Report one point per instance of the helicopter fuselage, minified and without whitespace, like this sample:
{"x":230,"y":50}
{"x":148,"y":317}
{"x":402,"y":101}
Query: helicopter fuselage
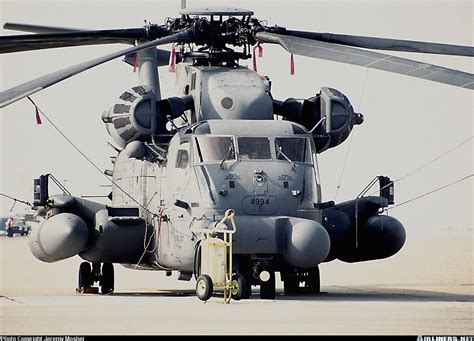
{"x":186,"y":160}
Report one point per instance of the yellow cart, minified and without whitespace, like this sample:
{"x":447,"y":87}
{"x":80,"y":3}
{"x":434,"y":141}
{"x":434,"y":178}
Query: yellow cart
{"x":216,"y":261}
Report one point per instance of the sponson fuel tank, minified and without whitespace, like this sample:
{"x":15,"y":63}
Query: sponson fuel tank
{"x":59,"y":237}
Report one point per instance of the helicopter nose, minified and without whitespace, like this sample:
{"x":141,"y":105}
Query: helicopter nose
{"x":307,"y":244}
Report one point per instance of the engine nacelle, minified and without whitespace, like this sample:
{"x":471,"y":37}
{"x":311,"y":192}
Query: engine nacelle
{"x":329,"y":116}
{"x":133,"y":117}
{"x":138,"y":115}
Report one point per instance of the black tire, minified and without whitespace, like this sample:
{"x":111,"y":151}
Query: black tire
{"x":314,"y":282}
{"x":107,"y":279}
{"x":248,"y":287}
{"x":204,"y":287}
{"x":291,"y":286}
{"x":267,"y":289}
{"x":85,"y":276}
{"x":240,"y":287}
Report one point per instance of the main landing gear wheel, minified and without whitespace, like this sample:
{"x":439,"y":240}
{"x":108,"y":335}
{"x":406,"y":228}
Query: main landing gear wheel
{"x":313,"y":281}
{"x":247,"y":287}
{"x":107,"y":279}
{"x":85,"y":277}
{"x":204,"y":287}
{"x":267,"y":289}
{"x":240,"y":289}
{"x":291,"y":286}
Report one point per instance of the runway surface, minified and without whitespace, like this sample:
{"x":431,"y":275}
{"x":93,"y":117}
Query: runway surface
{"x":426,"y":289}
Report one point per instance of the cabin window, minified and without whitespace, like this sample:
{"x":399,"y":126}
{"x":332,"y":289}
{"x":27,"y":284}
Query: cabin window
{"x":183,"y":159}
{"x":293,"y":148}
{"x":215,"y":148}
{"x":254,"y":148}
{"x":193,"y":81}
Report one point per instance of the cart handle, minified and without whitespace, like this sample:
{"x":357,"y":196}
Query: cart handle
{"x":229,"y":215}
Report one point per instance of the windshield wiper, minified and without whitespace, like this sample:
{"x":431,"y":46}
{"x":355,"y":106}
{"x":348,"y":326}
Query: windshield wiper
{"x":229,"y":152}
{"x":279,"y":151}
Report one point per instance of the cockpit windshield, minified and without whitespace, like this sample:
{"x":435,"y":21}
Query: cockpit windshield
{"x":219,"y":149}
{"x":215,"y":148}
{"x":294,"y":148}
{"x":254,"y":148}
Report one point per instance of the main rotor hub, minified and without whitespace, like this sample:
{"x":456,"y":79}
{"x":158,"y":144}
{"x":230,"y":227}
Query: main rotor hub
{"x":216,"y":11}
{"x":215,"y":31}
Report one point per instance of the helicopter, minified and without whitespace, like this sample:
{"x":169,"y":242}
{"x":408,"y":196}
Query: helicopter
{"x":228,"y":133}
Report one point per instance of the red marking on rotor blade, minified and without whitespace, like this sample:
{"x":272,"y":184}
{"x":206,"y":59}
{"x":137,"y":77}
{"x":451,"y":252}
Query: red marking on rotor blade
{"x":254,"y":60}
{"x":135,"y":61}
{"x":172,"y":67}
{"x":292,"y":65}
{"x":38,"y":117}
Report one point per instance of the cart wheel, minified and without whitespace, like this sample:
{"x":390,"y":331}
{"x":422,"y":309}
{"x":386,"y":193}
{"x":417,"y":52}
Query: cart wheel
{"x":240,"y":286}
{"x":204,"y":287}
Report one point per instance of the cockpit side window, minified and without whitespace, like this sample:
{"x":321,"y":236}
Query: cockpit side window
{"x":253,"y":148}
{"x":215,"y":148}
{"x":294,"y":148}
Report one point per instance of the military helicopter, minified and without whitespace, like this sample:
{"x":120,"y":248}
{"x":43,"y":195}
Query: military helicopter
{"x":184,"y":160}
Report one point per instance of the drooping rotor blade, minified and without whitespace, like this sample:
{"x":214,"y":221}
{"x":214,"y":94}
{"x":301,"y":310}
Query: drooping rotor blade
{"x":38,"y":28}
{"x":27,"y":42}
{"x":18,"y":92}
{"x":385,"y":44}
{"x":369,"y":59}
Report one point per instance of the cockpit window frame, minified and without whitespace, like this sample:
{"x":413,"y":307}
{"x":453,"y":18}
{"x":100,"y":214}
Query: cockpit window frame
{"x":196,"y":155}
{"x":195,"y":148}
{"x":269,"y":138}
{"x":307,"y":152}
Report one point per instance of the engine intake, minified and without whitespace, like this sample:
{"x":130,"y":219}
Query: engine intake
{"x":138,"y":115}
{"x":133,"y":117}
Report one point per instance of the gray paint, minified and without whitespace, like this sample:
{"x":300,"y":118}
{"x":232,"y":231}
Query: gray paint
{"x":60,"y":237}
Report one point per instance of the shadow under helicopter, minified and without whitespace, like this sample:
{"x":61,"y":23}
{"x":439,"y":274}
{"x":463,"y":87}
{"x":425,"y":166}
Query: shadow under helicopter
{"x":336,"y":293}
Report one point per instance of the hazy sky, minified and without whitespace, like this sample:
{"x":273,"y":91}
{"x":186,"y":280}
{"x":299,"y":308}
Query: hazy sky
{"x":408,"y":121}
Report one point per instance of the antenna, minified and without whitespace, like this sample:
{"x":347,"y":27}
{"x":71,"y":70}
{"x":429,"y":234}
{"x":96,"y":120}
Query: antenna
{"x":183,"y":4}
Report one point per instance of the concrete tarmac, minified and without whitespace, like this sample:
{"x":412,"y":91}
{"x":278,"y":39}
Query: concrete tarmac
{"x":425,"y":289}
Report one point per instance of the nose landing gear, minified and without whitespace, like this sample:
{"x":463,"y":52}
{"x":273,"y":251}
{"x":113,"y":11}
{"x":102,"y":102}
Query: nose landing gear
{"x":267,"y":288}
{"x":310,"y":278}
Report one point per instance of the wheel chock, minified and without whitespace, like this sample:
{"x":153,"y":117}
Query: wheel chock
{"x":91,"y":290}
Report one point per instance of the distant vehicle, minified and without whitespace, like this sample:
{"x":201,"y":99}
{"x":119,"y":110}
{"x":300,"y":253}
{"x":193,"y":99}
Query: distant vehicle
{"x":13,"y":227}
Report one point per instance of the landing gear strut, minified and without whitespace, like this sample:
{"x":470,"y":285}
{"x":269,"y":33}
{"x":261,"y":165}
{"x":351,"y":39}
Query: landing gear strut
{"x":88,"y":275}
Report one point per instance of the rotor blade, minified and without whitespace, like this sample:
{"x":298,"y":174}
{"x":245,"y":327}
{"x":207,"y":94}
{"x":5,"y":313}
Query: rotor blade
{"x":38,"y":28}
{"x":385,"y":44}
{"x":16,"y":93}
{"x":27,"y":42}
{"x":369,"y":59}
